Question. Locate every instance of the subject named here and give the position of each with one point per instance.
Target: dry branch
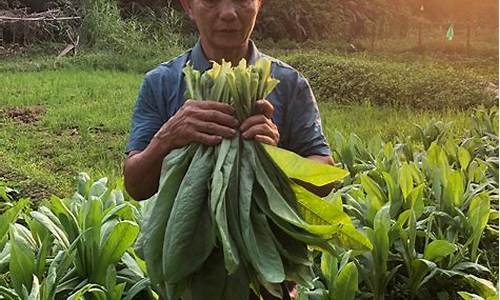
(18, 25)
(14, 19)
(21, 15)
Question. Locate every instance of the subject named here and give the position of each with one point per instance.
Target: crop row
(428, 204)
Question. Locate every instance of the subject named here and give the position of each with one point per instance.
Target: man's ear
(186, 4)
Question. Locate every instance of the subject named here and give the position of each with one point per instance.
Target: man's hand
(204, 122)
(260, 126)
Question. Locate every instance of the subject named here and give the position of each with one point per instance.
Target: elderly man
(163, 120)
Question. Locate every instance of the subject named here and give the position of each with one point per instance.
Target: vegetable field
(420, 185)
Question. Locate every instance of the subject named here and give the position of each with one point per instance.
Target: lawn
(56, 123)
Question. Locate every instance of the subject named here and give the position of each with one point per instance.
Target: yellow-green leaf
(304, 169)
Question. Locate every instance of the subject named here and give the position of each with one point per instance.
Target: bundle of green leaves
(229, 218)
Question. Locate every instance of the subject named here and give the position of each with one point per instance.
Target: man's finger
(264, 107)
(260, 129)
(265, 139)
(252, 121)
(206, 139)
(215, 129)
(215, 116)
(208, 104)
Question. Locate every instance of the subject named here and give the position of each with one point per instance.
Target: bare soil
(26, 115)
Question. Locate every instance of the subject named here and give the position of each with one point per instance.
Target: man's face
(224, 23)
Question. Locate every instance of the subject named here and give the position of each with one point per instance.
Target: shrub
(426, 86)
(150, 34)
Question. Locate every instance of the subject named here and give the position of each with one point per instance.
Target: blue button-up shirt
(295, 114)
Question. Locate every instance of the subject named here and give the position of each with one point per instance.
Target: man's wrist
(159, 147)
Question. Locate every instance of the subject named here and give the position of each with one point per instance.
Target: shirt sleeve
(146, 119)
(306, 136)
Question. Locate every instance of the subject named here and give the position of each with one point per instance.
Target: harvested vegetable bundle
(228, 217)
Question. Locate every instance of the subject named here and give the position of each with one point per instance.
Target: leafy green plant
(433, 132)
(341, 277)
(485, 288)
(425, 207)
(377, 275)
(74, 246)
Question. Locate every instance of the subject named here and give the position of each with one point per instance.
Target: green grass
(86, 120)
(83, 128)
(389, 123)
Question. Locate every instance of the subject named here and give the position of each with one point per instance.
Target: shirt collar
(201, 63)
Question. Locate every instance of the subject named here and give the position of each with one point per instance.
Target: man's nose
(228, 10)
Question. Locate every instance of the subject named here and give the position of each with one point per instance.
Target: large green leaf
(209, 282)
(405, 179)
(137, 288)
(454, 188)
(48, 289)
(98, 188)
(9, 294)
(120, 239)
(375, 196)
(477, 216)
(256, 233)
(219, 198)
(485, 287)
(346, 284)
(35, 290)
(316, 215)
(22, 263)
(295, 232)
(66, 217)
(134, 265)
(24, 235)
(470, 296)
(245, 190)
(351, 238)
(189, 236)
(10, 216)
(54, 228)
(88, 288)
(419, 269)
(415, 200)
(470, 265)
(329, 268)
(438, 249)
(317, 211)
(463, 157)
(263, 252)
(304, 169)
(394, 194)
(153, 230)
(379, 238)
(277, 203)
(117, 292)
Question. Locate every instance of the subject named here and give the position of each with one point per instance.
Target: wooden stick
(16, 19)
